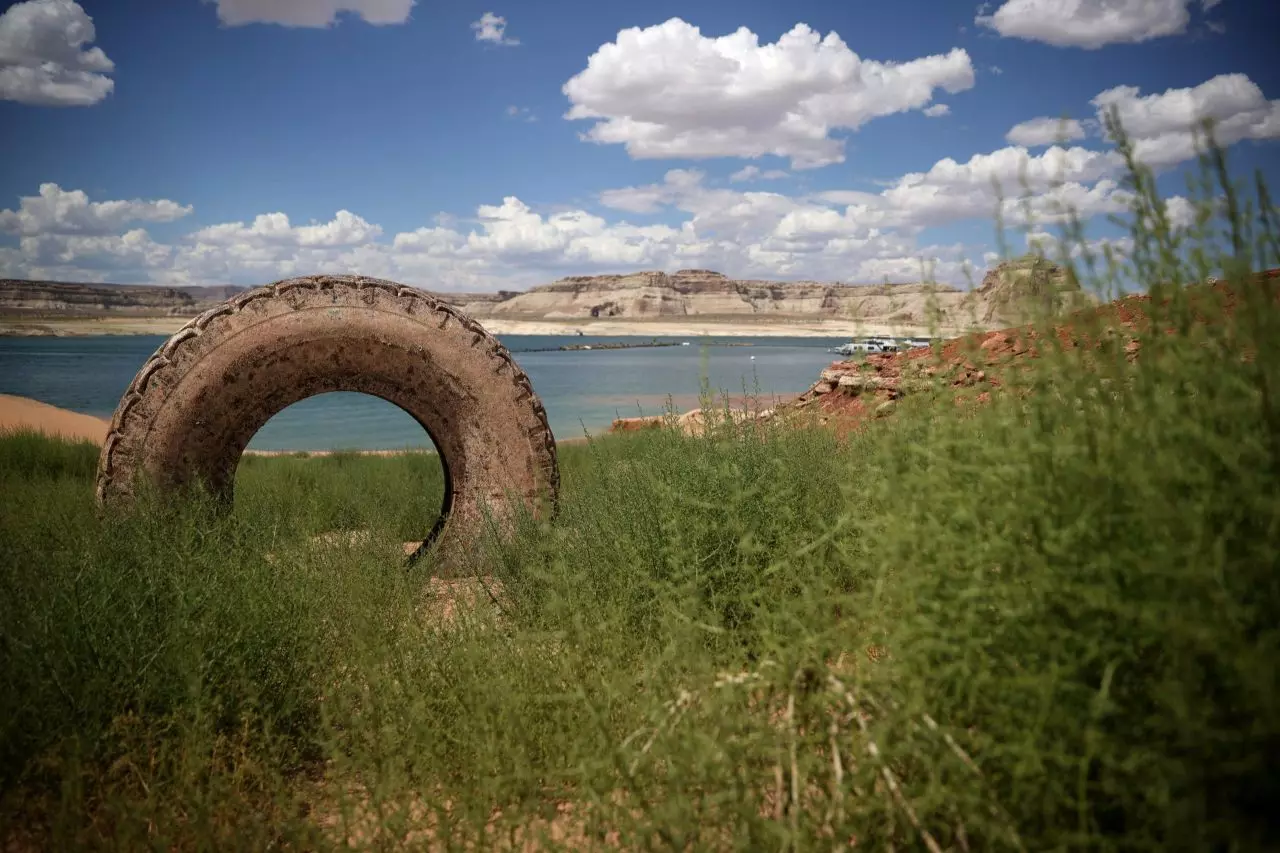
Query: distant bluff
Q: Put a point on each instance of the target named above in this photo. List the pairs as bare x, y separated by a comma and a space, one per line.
1011, 293
1007, 294
78, 299
1016, 291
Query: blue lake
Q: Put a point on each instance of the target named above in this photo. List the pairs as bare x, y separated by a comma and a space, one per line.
583, 391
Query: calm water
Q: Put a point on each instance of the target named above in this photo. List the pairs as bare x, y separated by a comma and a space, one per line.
581, 390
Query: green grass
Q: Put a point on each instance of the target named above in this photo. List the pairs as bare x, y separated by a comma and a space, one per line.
1077, 589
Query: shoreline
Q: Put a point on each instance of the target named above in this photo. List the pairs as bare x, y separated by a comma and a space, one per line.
23, 413
16, 326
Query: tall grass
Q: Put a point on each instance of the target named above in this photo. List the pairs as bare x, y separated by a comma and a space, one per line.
1048, 622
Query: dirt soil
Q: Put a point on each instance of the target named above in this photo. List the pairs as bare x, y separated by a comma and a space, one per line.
851, 393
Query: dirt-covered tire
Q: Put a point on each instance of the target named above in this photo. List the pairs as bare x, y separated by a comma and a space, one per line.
198, 400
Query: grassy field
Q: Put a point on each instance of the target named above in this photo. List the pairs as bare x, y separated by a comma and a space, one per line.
1047, 622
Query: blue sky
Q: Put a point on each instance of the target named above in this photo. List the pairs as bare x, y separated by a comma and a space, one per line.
214, 141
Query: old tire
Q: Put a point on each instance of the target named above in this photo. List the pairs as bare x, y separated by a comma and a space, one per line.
200, 398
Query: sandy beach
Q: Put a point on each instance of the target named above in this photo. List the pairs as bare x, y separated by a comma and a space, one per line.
20, 413
692, 327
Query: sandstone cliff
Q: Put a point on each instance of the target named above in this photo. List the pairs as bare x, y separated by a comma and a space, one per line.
1010, 293
704, 293
19, 296
1016, 291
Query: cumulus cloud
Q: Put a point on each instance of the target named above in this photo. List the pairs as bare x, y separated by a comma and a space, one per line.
267, 229
44, 59
749, 234
1044, 131
100, 254
311, 13
493, 29
1162, 126
950, 190
69, 212
772, 235
1181, 212
937, 110
667, 91
755, 173
676, 184
929, 265
837, 234
1051, 246
1022, 187
1089, 24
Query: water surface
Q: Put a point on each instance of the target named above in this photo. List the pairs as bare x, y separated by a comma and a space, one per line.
583, 391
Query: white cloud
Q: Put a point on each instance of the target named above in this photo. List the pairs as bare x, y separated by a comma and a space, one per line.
1089, 24
755, 173
836, 234
1046, 186
855, 197
937, 111
69, 212
1051, 246
101, 252
1181, 212
771, 235
1045, 131
43, 58
274, 229
493, 29
515, 234
1161, 126
521, 113
311, 13
927, 266
747, 234
950, 191
677, 183
667, 91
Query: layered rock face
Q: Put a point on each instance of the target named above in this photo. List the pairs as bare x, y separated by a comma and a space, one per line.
705, 293
55, 297
1010, 293
1016, 291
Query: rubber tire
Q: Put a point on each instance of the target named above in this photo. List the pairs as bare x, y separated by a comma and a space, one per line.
196, 403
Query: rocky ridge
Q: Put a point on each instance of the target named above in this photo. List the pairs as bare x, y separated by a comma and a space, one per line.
968, 369
973, 367
74, 299
706, 293
1010, 293
1007, 292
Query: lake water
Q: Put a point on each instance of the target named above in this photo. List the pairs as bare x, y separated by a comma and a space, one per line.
582, 391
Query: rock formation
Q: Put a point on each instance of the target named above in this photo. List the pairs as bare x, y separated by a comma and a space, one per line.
1010, 294
1016, 291
56, 297
708, 294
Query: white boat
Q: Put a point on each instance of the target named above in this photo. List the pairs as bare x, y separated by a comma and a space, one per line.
857, 347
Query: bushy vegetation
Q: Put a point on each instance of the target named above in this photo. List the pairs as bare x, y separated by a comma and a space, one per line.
1047, 622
